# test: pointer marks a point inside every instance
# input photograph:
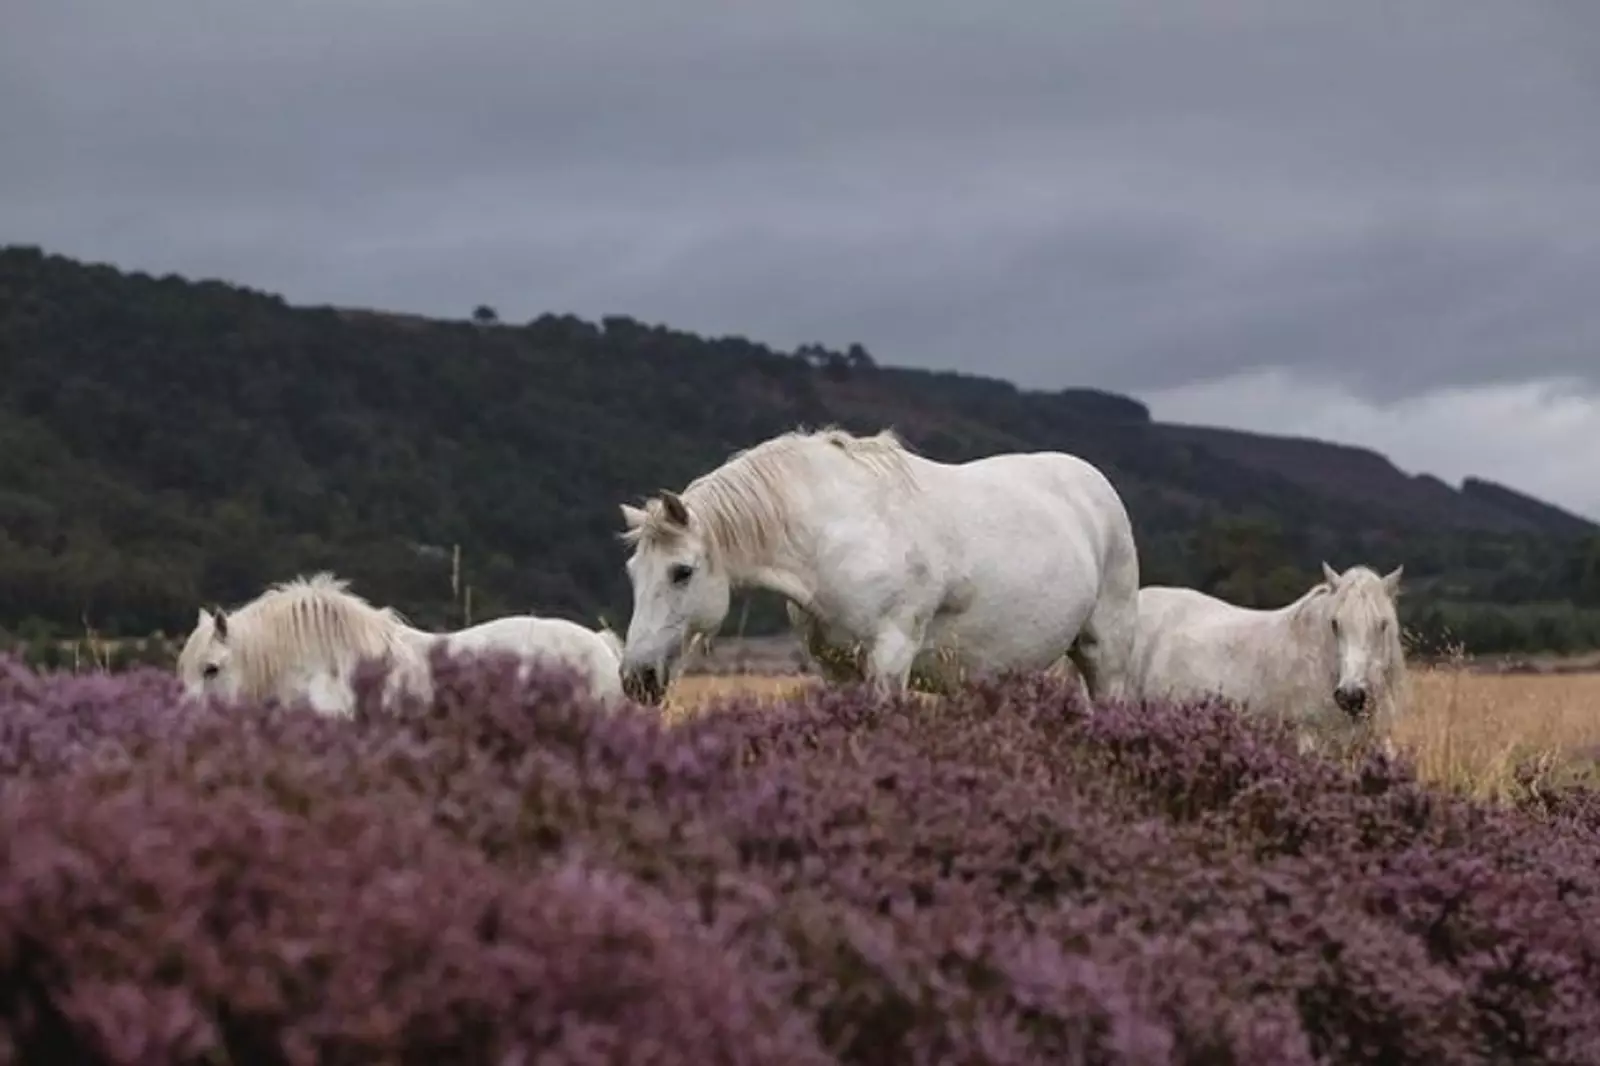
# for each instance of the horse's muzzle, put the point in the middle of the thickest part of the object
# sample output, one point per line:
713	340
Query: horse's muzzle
644	685
1352	700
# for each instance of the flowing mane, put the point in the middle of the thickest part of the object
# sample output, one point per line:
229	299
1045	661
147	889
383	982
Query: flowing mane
307	617
746	506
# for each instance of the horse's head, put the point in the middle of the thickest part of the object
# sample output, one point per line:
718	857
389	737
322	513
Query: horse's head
679	590
205	665
1366	634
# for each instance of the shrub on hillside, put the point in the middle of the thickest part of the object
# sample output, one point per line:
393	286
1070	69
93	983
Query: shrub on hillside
510	874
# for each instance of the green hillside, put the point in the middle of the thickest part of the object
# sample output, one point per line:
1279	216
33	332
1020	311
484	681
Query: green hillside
165	442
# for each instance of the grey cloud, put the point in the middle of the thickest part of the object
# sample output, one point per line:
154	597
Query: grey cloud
1139	196
1542	438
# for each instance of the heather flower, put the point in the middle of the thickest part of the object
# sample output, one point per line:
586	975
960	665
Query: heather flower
510	873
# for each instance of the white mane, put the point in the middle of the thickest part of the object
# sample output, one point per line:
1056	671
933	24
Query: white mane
746	506
314	618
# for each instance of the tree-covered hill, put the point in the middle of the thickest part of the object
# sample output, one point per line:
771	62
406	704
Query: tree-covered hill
165	442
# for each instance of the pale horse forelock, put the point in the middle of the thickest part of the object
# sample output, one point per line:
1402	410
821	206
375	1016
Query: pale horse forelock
747	506
305	617
1361	588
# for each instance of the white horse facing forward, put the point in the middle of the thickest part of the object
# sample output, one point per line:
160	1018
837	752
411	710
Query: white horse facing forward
1005	562
1333	656
304	638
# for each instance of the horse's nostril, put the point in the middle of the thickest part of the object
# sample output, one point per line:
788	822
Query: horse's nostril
1351	700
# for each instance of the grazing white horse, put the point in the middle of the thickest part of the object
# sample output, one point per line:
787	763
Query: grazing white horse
1006	562
1333	656
301	638
304	638
597	654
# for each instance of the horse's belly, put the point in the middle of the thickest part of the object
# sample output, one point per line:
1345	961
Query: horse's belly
1185	670
1020	633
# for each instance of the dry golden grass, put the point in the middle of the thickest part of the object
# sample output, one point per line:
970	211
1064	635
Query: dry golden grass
1471	731
689	694
1466	731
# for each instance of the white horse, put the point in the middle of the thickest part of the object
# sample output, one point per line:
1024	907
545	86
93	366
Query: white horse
1006	562
304	639
301	639
1333	656
597	654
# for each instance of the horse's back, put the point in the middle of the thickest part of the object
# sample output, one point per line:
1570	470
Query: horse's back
1192	644
534	638
1051	494
1167	604
1059	474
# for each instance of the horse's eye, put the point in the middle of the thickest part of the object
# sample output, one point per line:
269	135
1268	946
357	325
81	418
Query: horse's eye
680	574
1335	623
209	671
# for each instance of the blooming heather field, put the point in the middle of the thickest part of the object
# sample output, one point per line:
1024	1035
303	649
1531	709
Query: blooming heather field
508	876
1468	731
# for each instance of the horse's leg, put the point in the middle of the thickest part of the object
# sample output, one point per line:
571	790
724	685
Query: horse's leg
836	664
893	651
1077	668
1082	656
1106	644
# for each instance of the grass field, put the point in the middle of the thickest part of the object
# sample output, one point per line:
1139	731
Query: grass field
1467	731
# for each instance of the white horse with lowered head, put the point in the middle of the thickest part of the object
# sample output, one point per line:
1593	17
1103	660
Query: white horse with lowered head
596	653
1006	562
1331	657
304	638
300	639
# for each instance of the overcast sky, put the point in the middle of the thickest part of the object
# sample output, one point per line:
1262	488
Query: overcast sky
1376	221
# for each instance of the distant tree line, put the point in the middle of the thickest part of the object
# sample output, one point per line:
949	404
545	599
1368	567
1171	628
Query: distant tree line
167	443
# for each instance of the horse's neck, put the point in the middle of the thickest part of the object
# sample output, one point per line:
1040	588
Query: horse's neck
1301	626
836	485
786	573
787	567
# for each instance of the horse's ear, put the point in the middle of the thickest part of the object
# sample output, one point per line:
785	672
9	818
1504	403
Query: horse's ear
220	619
677	513
1329	574
634	517
202	618
1391	581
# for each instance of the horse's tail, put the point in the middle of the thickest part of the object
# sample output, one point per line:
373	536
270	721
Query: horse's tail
610	638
